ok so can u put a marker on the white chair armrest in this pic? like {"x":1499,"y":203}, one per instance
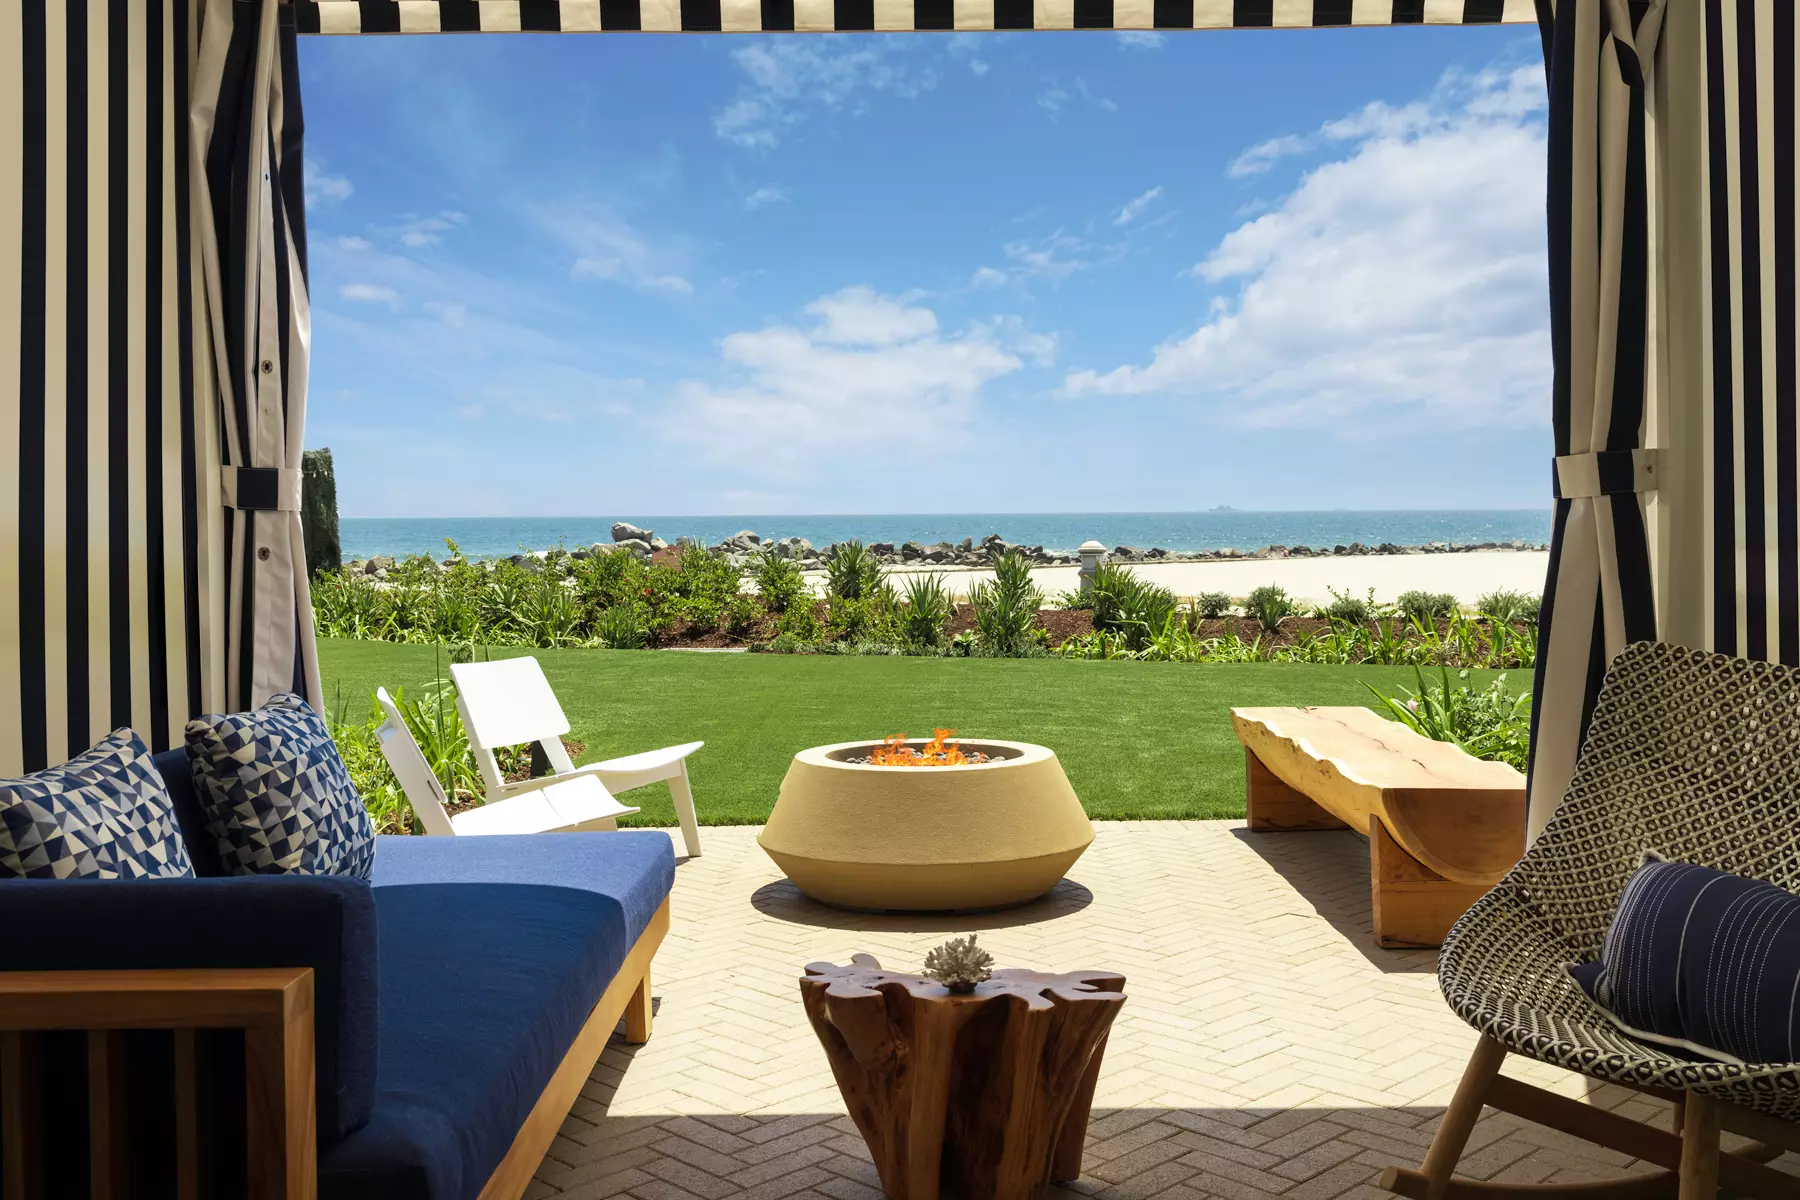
{"x":524,"y":786}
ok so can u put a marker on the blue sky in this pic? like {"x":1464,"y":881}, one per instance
{"x":558,"y":275}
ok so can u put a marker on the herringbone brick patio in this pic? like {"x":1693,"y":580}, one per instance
{"x":1267,"y":1048}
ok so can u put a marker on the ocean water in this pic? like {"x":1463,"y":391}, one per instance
{"x":484,"y":537}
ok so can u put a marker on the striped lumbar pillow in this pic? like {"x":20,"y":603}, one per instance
{"x":1702,"y":961}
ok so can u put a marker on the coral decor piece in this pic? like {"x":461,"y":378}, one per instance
{"x":959,"y":964}
{"x":938,"y":752}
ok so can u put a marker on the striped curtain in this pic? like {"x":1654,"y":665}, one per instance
{"x":105,"y":505}
{"x":827,"y":16}
{"x":1598,"y":596}
{"x":250,"y":223}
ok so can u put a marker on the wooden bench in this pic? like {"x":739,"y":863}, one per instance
{"x":1443,"y":827}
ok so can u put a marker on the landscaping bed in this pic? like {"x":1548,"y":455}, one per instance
{"x":1138,"y":740}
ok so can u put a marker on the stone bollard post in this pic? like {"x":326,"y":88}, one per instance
{"x":1092,"y":555}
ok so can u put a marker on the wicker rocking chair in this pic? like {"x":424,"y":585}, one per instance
{"x":1696,"y":756}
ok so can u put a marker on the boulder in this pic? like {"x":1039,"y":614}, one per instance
{"x":746,"y":535}
{"x":1125,"y":551}
{"x":380,"y":562}
{"x":637,"y":546}
{"x":794,"y":547}
{"x":966,"y":545}
{"x":1156,"y":552}
{"x":911,"y":552}
{"x":884,"y":549}
{"x":625,"y":531}
{"x":526,"y":562}
{"x":993,"y":547}
{"x":657,"y":543}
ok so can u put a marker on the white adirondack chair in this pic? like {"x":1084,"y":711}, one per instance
{"x":508,"y":702}
{"x":547,"y":805}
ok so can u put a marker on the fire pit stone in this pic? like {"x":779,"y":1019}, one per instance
{"x":999,"y":830}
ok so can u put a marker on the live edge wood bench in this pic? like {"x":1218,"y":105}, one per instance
{"x":1443,"y":826}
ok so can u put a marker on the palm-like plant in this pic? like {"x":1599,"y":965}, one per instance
{"x":852,"y":572}
{"x":927,"y":611}
{"x":1006,"y":607}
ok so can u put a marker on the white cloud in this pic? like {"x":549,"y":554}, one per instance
{"x":609,"y":248}
{"x":1140,"y":39}
{"x":1134,"y":207}
{"x":788,"y":79}
{"x":1259,"y":158}
{"x":765,"y":195}
{"x":988,"y":277}
{"x":370,"y":293}
{"x":867,"y":362}
{"x":1057,"y":256}
{"x":1055,"y":97}
{"x":414,"y":231}
{"x":355,"y":244}
{"x":860,"y":316}
{"x":454,"y":315}
{"x":1411,"y":271}
{"x":978,"y":65}
{"x":322,"y":189}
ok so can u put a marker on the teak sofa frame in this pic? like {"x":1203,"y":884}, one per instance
{"x":274,"y":1008}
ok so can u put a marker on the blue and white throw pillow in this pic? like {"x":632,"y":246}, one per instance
{"x":275,"y":795}
{"x":1702,"y":962}
{"x":104,"y":814}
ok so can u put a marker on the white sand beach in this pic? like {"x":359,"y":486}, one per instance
{"x":1464,"y":575}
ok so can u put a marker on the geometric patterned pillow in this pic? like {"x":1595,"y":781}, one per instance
{"x":104,"y":814}
{"x":275,"y":794}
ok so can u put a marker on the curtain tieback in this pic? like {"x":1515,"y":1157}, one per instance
{"x":261,"y":489}
{"x":1605,"y":473}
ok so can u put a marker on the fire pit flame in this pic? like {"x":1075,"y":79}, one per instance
{"x":938,"y":752}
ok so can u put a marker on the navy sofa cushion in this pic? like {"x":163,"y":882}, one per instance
{"x":493,"y":953}
{"x":1702,"y":962}
{"x":326,"y":923}
{"x":202,"y":850}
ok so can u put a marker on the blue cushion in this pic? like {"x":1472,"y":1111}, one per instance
{"x":203,"y":852}
{"x":323,"y":922}
{"x":104,"y":814}
{"x":1702,"y":962}
{"x":494,"y":951}
{"x":275,"y":794}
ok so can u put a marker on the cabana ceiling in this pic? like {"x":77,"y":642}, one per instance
{"x":832,"y":16}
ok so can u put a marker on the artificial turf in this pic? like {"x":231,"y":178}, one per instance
{"x":1138,"y":740}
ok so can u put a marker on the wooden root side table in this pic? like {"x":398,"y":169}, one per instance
{"x":987,"y":1091}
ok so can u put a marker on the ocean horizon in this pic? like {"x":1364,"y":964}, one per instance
{"x":1218,"y":529}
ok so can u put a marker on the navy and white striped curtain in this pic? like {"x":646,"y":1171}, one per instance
{"x":1599,"y":594}
{"x":107,"y":617}
{"x":250,"y":223}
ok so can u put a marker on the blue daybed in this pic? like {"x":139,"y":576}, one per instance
{"x":459,"y":1000}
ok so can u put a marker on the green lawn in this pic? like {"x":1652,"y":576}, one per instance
{"x":1137,"y":739}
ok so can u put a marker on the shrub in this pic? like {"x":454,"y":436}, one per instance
{"x":1126,"y":604}
{"x":1345,"y":607}
{"x":1426,"y":606}
{"x":927,"y":611}
{"x":788,"y":643}
{"x":778,"y":580}
{"x":867,"y":618}
{"x":852,"y":573}
{"x":1528,"y":612}
{"x":1212,"y":604}
{"x":741,"y":612}
{"x":1006,"y":608}
{"x":1270,"y":605}
{"x":1491,"y":723}
{"x":622,"y":627}
{"x":1506,"y":606}
{"x":800,"y":624}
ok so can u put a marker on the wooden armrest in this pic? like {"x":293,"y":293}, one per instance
{"x":272,"y":1005}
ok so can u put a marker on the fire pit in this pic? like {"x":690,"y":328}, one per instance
{"x":926,"y":824}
